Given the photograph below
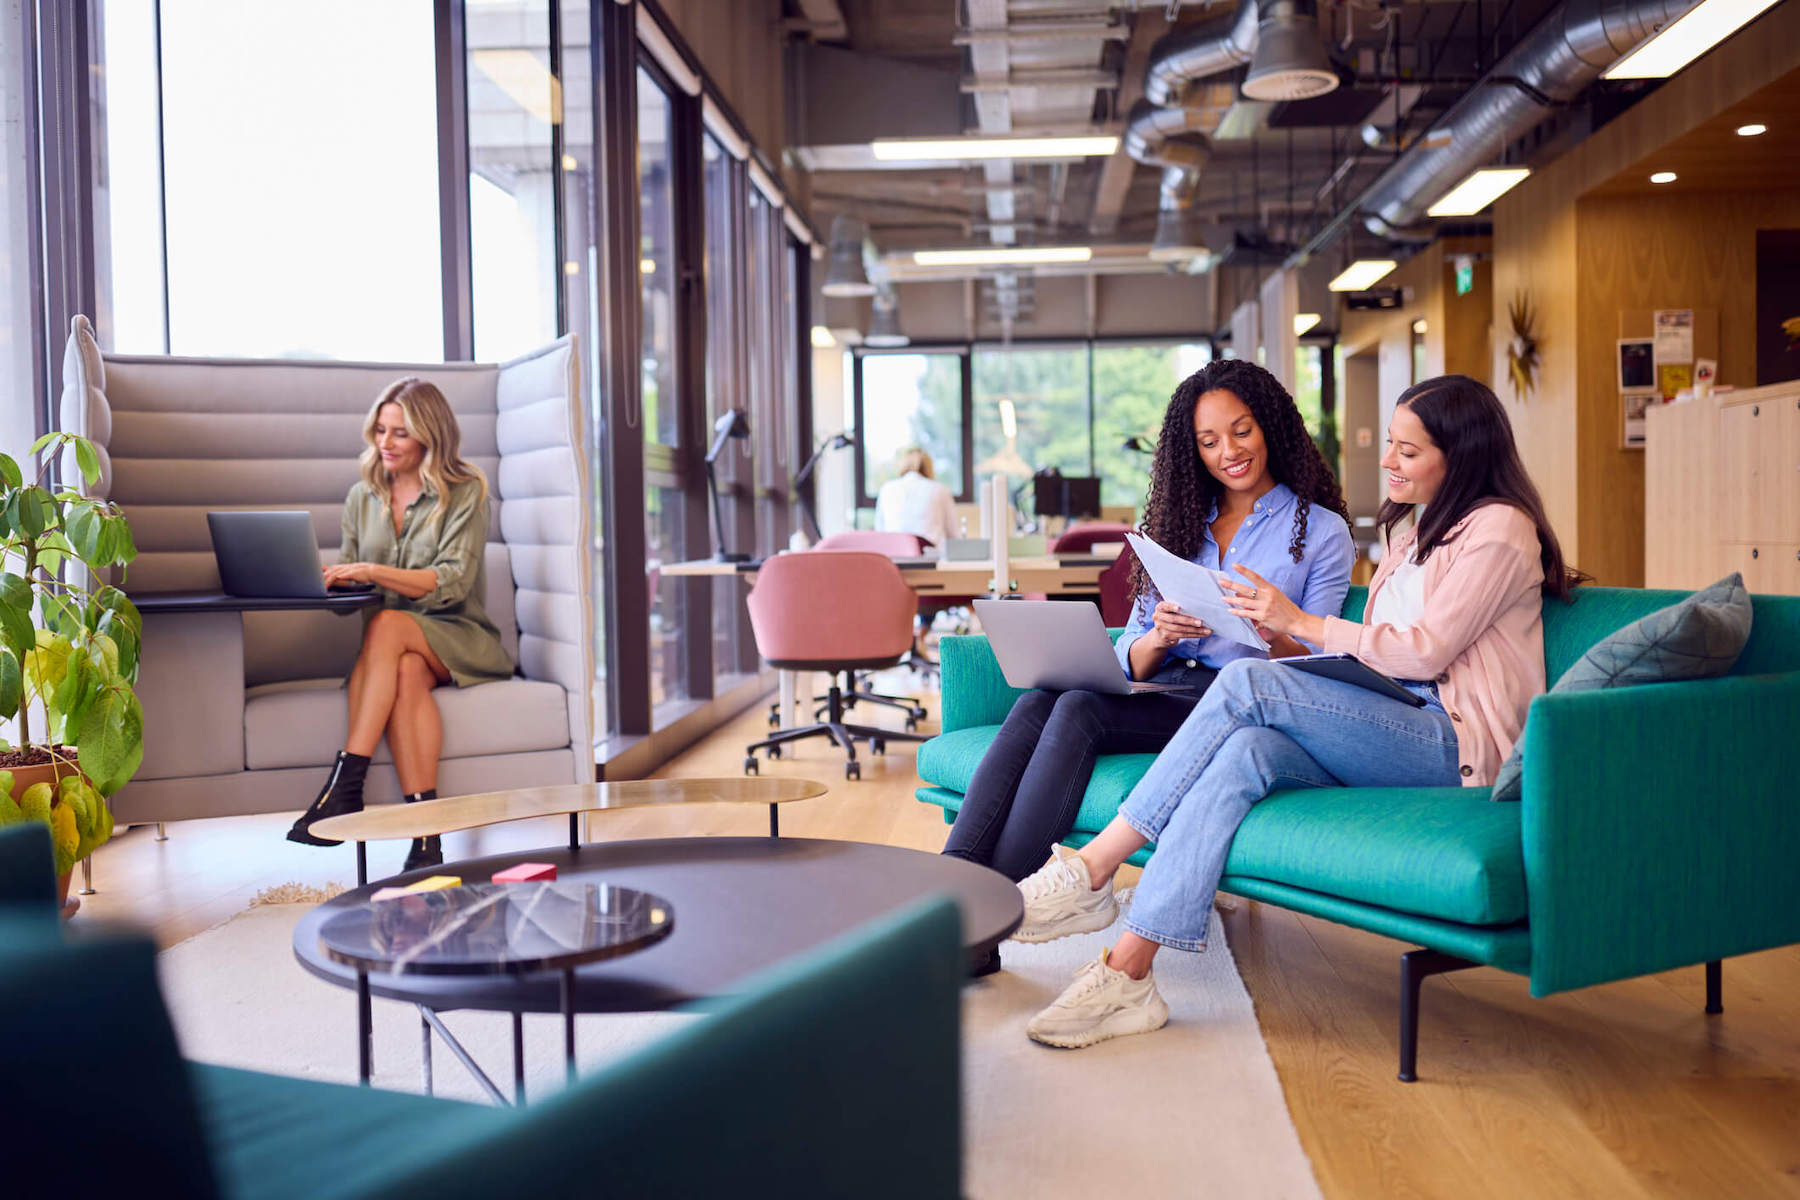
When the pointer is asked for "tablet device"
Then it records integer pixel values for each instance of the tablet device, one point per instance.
(1347, 668)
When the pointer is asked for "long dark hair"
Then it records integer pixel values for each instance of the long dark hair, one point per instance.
(1482, 466)
(1182, 490)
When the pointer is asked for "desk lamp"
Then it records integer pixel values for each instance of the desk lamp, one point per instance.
(839, 441)
(733, 424)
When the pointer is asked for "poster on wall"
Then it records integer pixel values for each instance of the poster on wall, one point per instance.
(1777, 306)
(1637, 366)
(1634, 405)
(1674, 335)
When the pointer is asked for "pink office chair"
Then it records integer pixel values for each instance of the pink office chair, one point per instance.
(1115, 589)
(891, 545)
(844, 611)
(1086, 537)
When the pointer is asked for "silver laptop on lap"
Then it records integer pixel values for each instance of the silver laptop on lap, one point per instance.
(267, 554)
(1061, 646)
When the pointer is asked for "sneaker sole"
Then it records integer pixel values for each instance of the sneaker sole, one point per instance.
(1123, 1024)
(1067, 927)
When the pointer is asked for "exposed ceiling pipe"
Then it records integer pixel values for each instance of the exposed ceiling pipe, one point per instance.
(1555, 62)
(1179, 60)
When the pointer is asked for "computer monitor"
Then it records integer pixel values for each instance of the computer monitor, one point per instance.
(1059, 495)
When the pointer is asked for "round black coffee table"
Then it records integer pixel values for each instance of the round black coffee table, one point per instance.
(745, 903)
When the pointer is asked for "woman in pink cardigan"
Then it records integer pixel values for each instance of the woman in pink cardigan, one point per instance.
(1454, 615)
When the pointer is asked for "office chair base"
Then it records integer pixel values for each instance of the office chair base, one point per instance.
(836, 730)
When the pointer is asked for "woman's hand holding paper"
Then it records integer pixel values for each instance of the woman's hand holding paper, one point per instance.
(1170, 625)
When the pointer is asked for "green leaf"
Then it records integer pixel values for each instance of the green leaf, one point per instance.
(42, 442)
(12, 684)
(83, 531)
(32, 503)
(15, 614)
(9, 471)
(127, 544)
(105, 543)
(87, 460)
(74, 680)
(118, 726)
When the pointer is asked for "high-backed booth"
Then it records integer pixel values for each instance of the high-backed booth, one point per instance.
(244, 712)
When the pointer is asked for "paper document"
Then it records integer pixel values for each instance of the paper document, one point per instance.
(1196, 590)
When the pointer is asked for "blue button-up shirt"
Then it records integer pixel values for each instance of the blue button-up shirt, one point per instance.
(1318, 583)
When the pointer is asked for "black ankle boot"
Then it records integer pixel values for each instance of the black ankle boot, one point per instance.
(425, 851)
(342, 794)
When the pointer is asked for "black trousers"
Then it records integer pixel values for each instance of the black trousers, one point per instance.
(1028, 788)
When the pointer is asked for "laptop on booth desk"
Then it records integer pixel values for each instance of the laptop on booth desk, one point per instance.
(271, 555)
(1057, 645)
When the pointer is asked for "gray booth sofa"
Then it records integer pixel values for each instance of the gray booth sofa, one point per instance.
(243, 713)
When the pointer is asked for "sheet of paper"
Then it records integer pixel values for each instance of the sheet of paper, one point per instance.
(1196, 590)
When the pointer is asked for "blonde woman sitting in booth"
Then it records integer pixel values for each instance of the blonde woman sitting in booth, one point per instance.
(915, 502)
(415, 527)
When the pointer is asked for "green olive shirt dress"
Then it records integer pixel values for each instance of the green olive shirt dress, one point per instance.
(455, 624)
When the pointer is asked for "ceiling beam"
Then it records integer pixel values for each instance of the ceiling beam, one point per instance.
(1115, 176)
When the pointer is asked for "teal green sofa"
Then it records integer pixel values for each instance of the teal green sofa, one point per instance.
(1659, 825)
(795, 1088)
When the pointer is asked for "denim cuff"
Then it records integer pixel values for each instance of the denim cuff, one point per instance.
(1163, 939)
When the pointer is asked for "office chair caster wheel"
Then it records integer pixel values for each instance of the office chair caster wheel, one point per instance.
(918, 714)
(774, 718)
(750, 767)
(774, 751)
(877, 746)
(912, 726)
(852, 770)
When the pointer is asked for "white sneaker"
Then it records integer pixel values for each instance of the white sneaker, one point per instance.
(1061, 900)
(1102, 1003)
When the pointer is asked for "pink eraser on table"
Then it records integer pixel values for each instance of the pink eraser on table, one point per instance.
(526, 872)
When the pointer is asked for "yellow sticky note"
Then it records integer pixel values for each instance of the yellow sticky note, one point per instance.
(436, 883)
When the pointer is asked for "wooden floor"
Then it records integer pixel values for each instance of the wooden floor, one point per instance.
(1616, 1091)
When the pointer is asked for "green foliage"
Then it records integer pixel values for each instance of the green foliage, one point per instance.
(69, 641)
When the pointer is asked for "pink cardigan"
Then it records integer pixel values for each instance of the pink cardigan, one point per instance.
(1480, 636)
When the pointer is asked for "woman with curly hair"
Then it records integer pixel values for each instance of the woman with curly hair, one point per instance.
(1236, 480)
(1455, 615)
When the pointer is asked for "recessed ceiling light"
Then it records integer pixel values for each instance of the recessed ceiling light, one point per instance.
(1686, 38)
(920, 149)
(1751, 130)
(1663, 177)
(1478, 191)
(821, 338)
(1304, 322)
(1363, 273)
(1002, 256)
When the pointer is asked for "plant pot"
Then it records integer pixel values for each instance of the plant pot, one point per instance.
(50, 773)
(69, 907)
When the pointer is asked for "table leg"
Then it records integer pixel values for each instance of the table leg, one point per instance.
(365, 1032)
(568, 1012)
(774, 822)
(518, 1058)
(787, 699)
(362, 864)
(425, 1050)
(574, 833)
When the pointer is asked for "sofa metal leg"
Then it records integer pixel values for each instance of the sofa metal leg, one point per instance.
(1415, 967)
(1715, 986)
(87, 876)
(162, 832)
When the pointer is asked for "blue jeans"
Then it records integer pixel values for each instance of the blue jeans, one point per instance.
(1026, 792)
(1262, 727)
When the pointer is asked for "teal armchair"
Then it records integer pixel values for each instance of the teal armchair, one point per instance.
(1656, 828)
(795, 1088)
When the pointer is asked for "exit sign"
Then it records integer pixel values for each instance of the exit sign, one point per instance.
(1465, 274)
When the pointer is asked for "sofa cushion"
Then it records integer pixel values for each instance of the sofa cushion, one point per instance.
(1698, 638)
(1438, 852)
(274, 1137)
(302, 723)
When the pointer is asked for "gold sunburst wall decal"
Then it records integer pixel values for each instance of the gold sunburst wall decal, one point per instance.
(1522, 351)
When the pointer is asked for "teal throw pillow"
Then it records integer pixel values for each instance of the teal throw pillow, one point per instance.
(1698, 638)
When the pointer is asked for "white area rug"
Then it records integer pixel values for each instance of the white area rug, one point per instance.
(1192, 1110)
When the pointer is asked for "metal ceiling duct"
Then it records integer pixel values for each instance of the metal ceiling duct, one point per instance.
(1554, 63)
(845, 275)
(1179, 60)
(884, 323)
(1290, 61)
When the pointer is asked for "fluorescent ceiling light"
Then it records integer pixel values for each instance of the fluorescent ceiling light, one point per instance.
(1002, 256)
(1304, 322)
(1692, 34)
(1479, 190)
(1363, 273)
(527, 81)
(1663, 177)
(914, 149)
(821, 338)
(1751, 130)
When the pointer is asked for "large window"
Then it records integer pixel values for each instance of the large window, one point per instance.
(911, 399)
(18, 412)
(726, 354)
(1031, 411)
(665, 520)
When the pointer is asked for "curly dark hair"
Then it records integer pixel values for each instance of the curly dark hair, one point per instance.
(1182, 490)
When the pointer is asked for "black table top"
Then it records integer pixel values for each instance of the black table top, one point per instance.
(182, 602)
(745, 903)
(496, 928)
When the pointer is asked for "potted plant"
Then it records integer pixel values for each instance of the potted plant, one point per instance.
(69, 645)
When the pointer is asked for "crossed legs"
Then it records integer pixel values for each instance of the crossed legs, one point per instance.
(390, 692)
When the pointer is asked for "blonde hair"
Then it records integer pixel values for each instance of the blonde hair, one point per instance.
(429, 419)
(914, 458)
